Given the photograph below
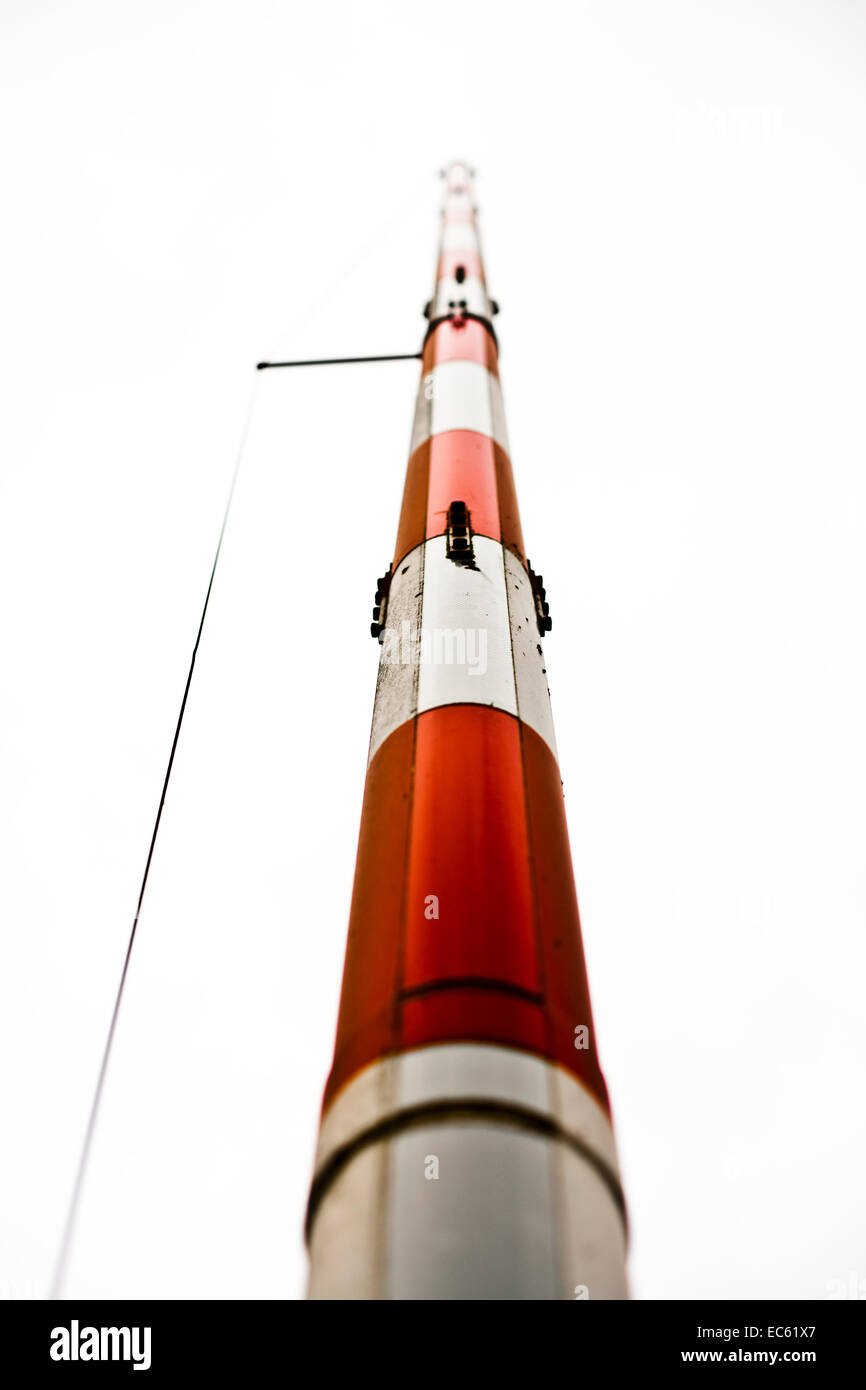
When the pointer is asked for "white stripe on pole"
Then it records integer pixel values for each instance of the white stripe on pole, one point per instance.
(397, 682)
(460, 636)
(484, 1227)
(466, 1209)
(347, 1237)
(459, 396)
(530, 666)
(461, 1072)
(465, 623)
(459, 236)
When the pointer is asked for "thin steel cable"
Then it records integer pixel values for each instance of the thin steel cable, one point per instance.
(342, 361)
(75, 1199)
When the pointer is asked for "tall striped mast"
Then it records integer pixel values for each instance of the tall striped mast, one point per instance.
(466, 1148)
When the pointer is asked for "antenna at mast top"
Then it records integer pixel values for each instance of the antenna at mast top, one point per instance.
(458, 171)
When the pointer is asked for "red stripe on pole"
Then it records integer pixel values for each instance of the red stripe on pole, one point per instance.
(509, 517)
(469, 891)
(482, 827)
(565, 980)
(462, 466)
(412, 527)
(458, 465)
(474, 1015)
(469, 341)
(365, 1028)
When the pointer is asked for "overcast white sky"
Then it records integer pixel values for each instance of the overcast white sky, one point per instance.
(674, 219)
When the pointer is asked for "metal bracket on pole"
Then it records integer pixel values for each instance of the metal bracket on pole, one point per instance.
(383, 584)
(542, 607)
(458, 316)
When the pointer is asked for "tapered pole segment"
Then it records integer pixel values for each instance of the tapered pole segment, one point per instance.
(466, 1148)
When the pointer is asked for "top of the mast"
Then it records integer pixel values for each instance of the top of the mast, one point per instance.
(457, 177)
(461, 290)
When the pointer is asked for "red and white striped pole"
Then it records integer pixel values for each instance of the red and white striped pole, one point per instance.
(466, 1149)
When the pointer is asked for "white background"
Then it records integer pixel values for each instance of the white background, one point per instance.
(674, 220)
